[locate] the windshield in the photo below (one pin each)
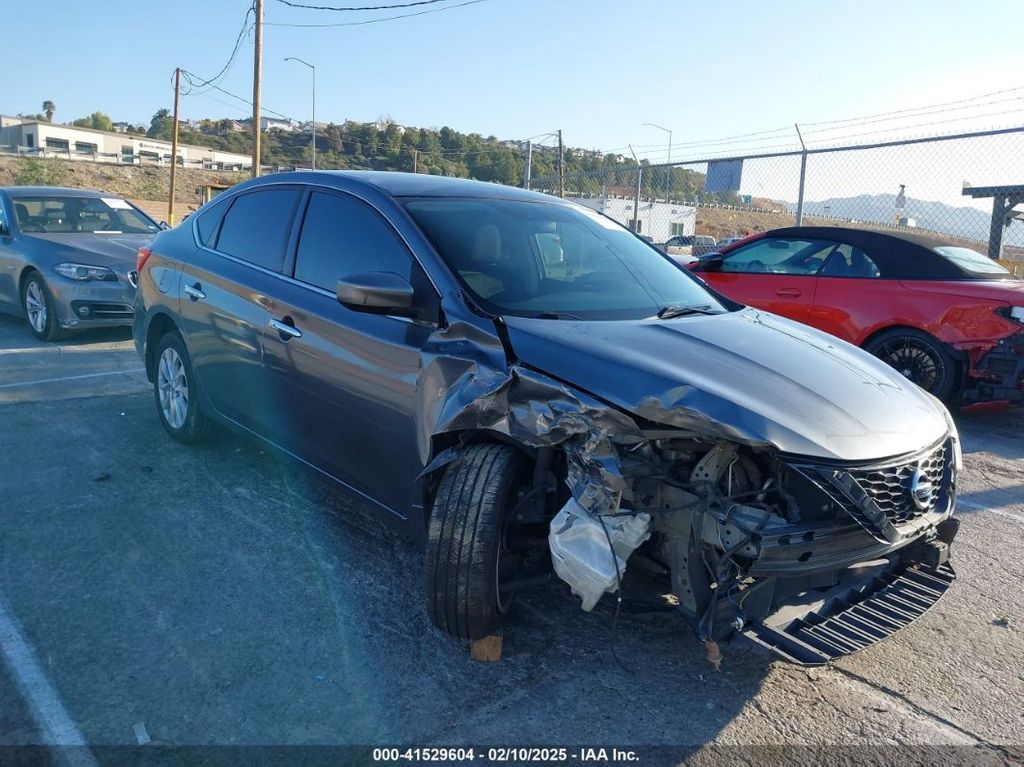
(538, 259)
(971, 260)
(99, 215)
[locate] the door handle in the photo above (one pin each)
(789, 292)
(285, 329)
(195, 292)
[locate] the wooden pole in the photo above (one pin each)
(257, 76)
(174, 146)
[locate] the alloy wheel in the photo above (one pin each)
(172, 384)
(35, 306)
(914, 360)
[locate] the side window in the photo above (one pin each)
(774, 255)
(256, 226)
(208, 220)
(343, 236)
(848, 261)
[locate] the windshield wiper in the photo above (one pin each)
(676, 310)
(555, 316)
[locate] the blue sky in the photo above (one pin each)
(598, 69)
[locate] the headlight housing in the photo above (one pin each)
(84, 272)
(954, 434)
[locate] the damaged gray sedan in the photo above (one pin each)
(528, 388)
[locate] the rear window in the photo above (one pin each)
(971, 260)
(256, 227)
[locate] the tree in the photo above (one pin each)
(162, 125)
(49, 108)
(96, 121)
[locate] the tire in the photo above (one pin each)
(37, 304)
(465, 539)
(921, 358)
(176, 392)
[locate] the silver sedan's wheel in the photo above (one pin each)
(35, 307)
(172, 386)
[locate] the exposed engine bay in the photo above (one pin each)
(743, 536)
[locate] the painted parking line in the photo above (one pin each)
(72, 378)
(51, 718)
(1000, 510)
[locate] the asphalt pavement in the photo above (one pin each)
(219, 595)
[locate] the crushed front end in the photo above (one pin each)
(811, 558)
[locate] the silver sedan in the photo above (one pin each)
(67, 258)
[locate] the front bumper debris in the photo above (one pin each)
(858, 619)
(999, 375)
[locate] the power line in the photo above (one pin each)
(944, 110)
(364, 8)
(377, 21)
(231, 59)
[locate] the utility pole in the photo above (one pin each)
(257, 76)
(529, 163)
(803, 176)
(415, 160)
(561, 165)
(174, 146)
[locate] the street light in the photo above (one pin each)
(313, 123)
(668, 174)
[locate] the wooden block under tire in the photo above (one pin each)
(487, 649)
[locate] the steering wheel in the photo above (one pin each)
(756, 266)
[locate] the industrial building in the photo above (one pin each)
(28, 136)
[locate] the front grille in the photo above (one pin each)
(890, 487)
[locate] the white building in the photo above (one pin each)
(39, 138)
(658, 219)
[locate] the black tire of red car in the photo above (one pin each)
(51, 329)
(466, 539)
(920, 357)
(194, 427)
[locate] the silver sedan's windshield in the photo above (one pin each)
(553, 260)
(53, 214)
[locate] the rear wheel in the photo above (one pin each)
(175, 388)
(38, 307)
(469, 551)
(918, 357)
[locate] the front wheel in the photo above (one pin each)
(919, 357)
(38, 308)
(469, 551)
(176, 391)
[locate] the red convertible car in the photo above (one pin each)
(947, 317)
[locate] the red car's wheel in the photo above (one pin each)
(919, 357)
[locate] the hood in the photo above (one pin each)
(749, 376)
(115, 251)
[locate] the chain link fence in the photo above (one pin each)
(935, 186)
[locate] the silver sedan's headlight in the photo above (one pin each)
(84, 272)
(954, 433)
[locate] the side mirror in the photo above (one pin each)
(377, 293)
(710, 262)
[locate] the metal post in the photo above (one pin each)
(174, 146)
(313, 69)
(561, 165)
(257, 76)
(803, 177)
(529, 164)
(415, 160)
(995, 236)
(668, 168)
(636, 198)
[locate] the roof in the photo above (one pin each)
(54, 191)
(860, 237)
(398, 184)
